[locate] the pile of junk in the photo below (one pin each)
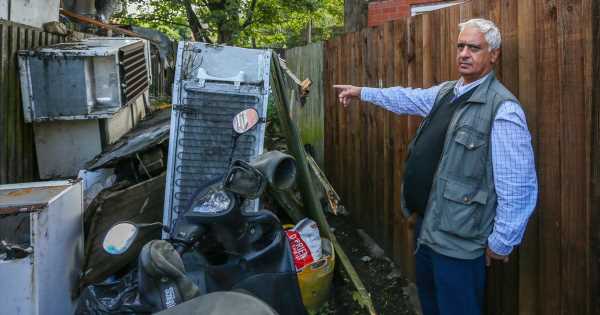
(162, 210)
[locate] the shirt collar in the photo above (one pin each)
(460, 88)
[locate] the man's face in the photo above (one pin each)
(474, 57)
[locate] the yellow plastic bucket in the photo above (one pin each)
(315, 279)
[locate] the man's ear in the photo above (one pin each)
(495, 54)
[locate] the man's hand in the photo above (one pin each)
(489, 255)
(347, 92)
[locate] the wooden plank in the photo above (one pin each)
(11, 121)
(386, 189)
(396, 143)
(328, 95)
(317, 100)
(330, 100)
(549, 122)
(3, 103)
(574, 160)
(379, 124)
(18, 146)
(402, 248)
(528, 259)
(454, 19)
(333, 126)
(412, 77)
(29, 159)
(348, 139)
(352, 127)
(363, 120)
(466, 11)
(341, 122)
(510, 45)
(444, 61)
(594, 39)
(503, 278)
(494, 14)
(436, 47)
(427, 48)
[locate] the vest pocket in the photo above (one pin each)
(469, 154)
(461, 209)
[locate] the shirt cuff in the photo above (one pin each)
(497, 246)
(366, 94)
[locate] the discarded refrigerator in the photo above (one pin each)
(41, 247)
(212, 84)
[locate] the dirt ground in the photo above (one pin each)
(388, 293)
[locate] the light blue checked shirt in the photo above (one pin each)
(512, 156)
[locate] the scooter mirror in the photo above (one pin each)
(119, 238)
(245, 120)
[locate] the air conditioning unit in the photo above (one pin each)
(90, 79)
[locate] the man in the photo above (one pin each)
(470, 173)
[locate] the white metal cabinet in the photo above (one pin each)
(48, 217)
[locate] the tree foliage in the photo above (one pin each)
(246, 23)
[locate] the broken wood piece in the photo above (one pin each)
(333, 199)
(303, 86)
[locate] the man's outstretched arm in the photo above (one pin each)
(400, 100)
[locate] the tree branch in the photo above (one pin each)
(197, 30)
(249, 14)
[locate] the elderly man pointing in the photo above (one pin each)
(470, 176)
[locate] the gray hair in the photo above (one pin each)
(488, 28)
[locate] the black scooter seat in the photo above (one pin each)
(221, 303)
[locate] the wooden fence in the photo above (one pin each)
(162, 77)
(17, 152)
(17, 155)
(307, 62)
(547, 62)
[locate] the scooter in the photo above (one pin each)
(213, 247)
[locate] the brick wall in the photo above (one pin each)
(389, 10)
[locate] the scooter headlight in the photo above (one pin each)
(217, 202)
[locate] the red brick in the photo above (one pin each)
(390, 10)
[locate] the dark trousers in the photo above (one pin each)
(449, 286)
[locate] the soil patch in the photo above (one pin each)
(380, 277)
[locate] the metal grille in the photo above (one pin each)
(212, 84)
(134, 71)
(205, 139)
